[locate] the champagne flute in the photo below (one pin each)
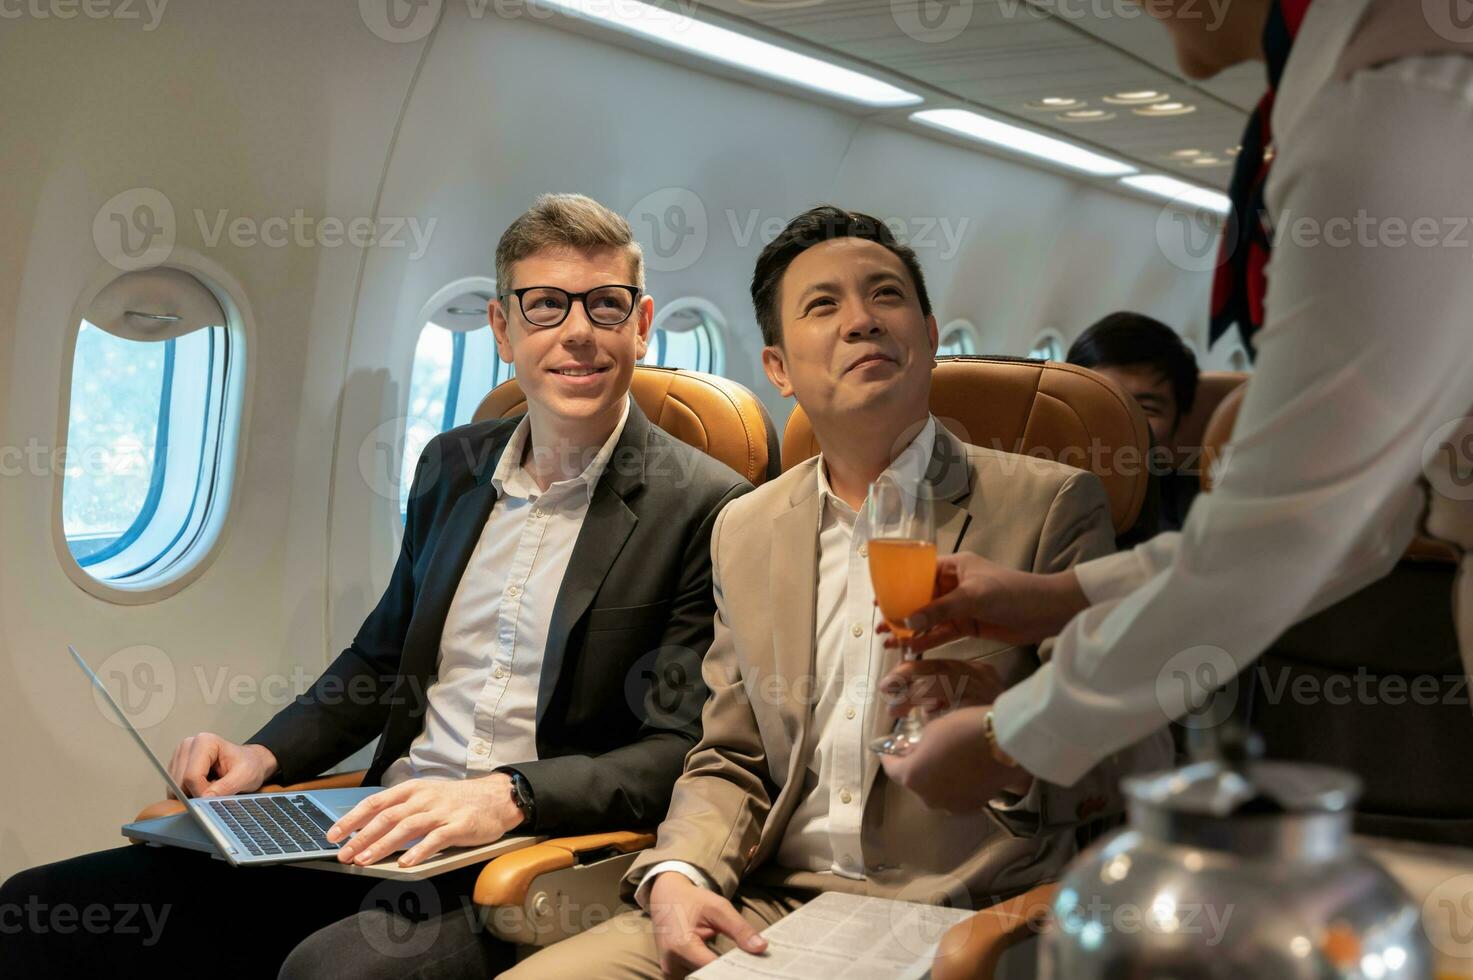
(902, 568)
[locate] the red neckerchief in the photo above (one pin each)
(1240, 282)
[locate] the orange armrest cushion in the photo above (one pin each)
(505, 880)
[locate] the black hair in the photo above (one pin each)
(1124, 339)
(812, 227)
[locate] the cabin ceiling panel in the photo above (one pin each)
(1010, 53)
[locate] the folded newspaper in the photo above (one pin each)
(849, 936)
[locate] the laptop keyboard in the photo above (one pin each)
(276, 824)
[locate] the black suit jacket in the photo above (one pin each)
(621, 693)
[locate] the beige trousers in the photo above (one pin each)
(623, 948)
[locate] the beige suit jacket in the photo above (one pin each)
(743, 780)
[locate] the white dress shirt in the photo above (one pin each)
(824, 832)
(483, 704)
(1366, 352)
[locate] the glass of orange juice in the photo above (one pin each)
(902, 568)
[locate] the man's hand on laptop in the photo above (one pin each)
(686, 917)
(439, 813)
(208, 765)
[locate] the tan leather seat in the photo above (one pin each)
(1188, 441)
(1048, 409)
(715, 415)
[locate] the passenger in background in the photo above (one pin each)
(1148, 359)
(546, 560)
(782, 800)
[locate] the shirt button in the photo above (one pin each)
(845, 797)
(864, 551)
(500, 672)
(513, 591)
(849, 712)
(538, 514)
(857, 629)
(481, 748)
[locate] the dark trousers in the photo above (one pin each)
(139, 911)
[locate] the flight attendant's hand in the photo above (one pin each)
(208, 765)
(952, 768)
(441, 812)
(939, 685)
(686, 917)
(977, 597)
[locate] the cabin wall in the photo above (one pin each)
(265, 108)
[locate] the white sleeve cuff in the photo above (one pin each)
(697, 877)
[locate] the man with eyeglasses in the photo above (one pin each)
(533, 665)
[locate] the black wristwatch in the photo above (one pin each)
(521, 795)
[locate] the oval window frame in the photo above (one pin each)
(236, 408)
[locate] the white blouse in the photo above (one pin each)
(1365, 363)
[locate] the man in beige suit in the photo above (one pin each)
(781, 799)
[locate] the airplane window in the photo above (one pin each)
(957, 337)
(1048, 347)
(154, 390)
(688, 334)
(454, 368)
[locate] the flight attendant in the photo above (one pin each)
(1364, 376)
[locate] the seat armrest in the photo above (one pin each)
(971, 949)
(339, 780)
(538, 895)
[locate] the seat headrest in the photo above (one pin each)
(1037, 408)
(715, 415)
(1191, 431)
(1220, 432)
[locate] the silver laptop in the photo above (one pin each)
(250, 829)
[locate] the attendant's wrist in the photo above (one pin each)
(1019, 781)
(1064, 599)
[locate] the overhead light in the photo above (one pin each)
(1185, 154)
(465, 311)
(735, 49)
(1142, 97)
(1165, 109)
(975, 126)
(1088, 115)
(1233, 151)
(1053, 103)
(1179, 191)
(1205, 162)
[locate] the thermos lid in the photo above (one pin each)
(1258, 810)
(1216, 788)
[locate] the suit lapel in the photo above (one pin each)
(606, 528)
(793, 598)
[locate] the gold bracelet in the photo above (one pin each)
(1001, 757)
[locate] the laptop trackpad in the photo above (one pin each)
(339, 801)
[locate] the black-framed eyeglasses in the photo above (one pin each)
(547, 306)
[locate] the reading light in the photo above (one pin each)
(964, 122)
(1087, 115)
(1204, 162)
(735, 49)
(1165, 109)
(1185, 154)
(1054, 103)
(1143, 97)
(1179, 191)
